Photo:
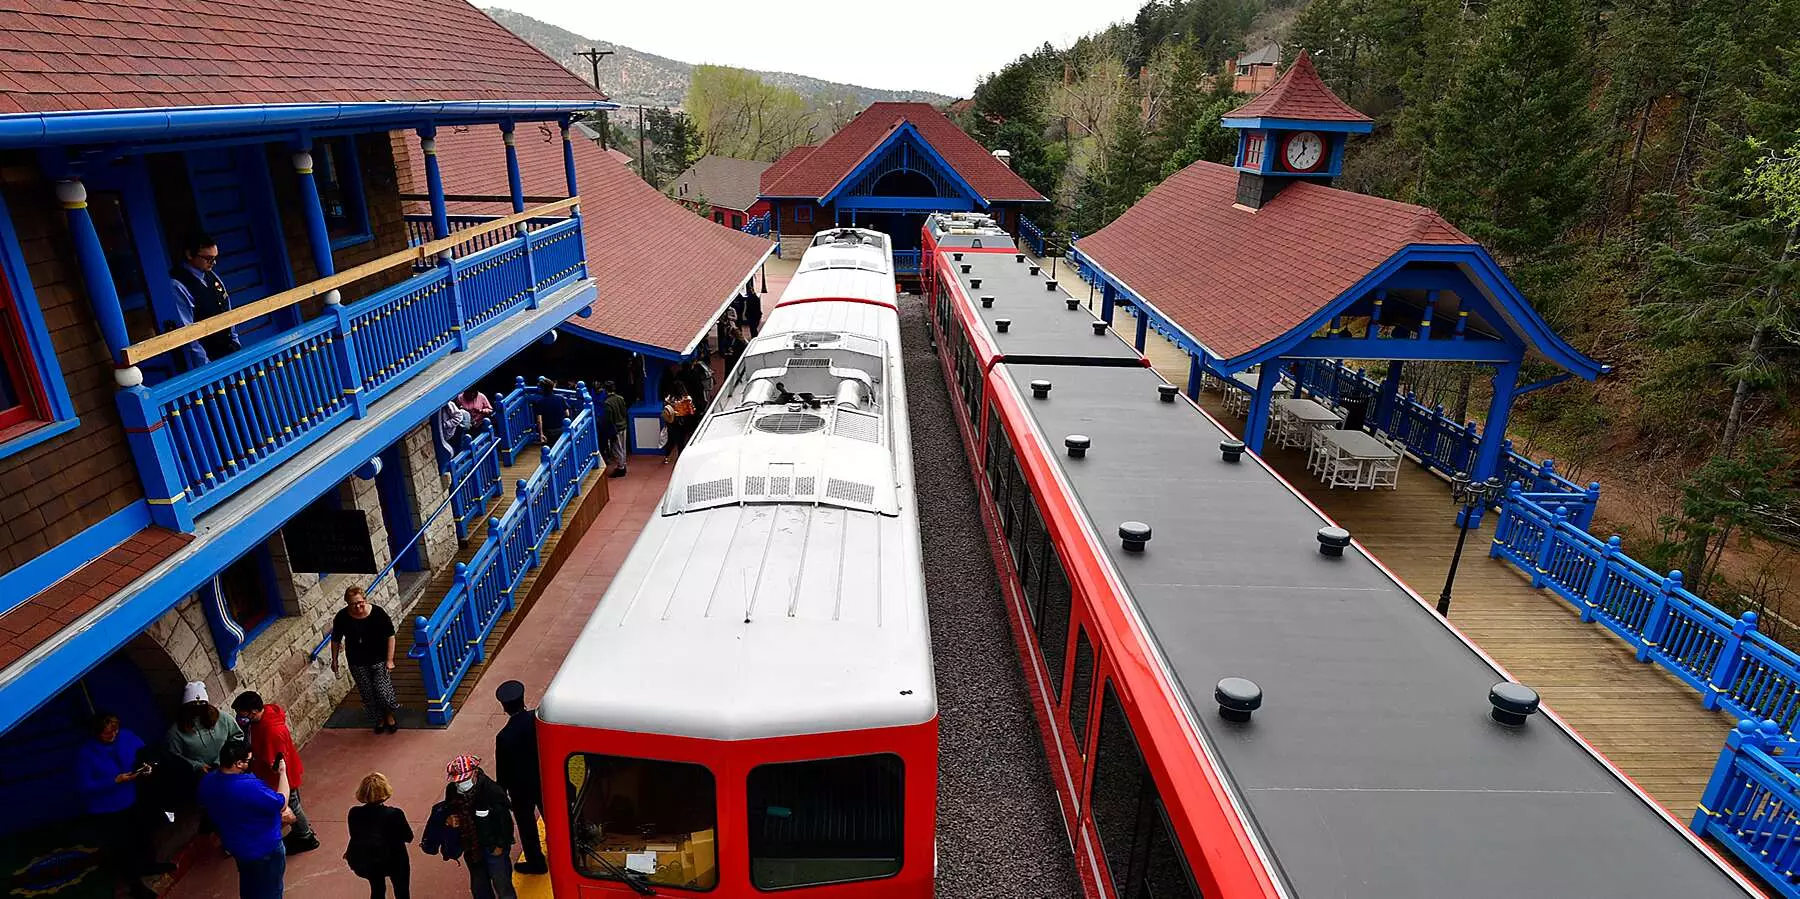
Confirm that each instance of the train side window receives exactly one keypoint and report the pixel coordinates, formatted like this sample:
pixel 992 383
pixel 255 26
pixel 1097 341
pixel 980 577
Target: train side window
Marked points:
pixel 1017 495
pixel 1143 859
pixel 826 821
pixel 1053 624
pixel 1031 560
pixel 1081 686
pixel 622 805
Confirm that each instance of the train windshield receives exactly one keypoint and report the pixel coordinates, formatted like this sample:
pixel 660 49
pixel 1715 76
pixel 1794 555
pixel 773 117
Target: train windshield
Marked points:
pixel 650 821
pixel 825 821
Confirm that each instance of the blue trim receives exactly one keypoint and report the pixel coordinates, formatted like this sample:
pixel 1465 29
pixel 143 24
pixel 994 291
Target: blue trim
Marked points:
pixel 31 325
pixel 36 683
pixel 38 435
pixel 1404 349
pixel 1281 124
pixel 642 349
pixel 108 126
pixel 906 204
pixel 1540 385
pixel 881 150
pixel 41 573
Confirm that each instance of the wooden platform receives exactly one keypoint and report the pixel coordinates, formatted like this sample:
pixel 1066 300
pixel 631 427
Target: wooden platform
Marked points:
pixel 408 683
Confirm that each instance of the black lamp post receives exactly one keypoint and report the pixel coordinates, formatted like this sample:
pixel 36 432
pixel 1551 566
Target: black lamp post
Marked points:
pixel 1472 496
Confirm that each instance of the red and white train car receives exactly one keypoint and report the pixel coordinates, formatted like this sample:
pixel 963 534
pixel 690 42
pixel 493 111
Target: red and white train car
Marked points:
pixel 751 707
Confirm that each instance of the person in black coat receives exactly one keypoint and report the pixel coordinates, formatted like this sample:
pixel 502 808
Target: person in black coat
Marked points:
pixel 516 768
pixel 378 837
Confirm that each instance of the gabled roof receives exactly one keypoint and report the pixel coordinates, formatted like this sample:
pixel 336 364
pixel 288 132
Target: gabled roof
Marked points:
pixel 1299 94
pixel 722 181
pixel 132 54
pixel 1235 279
pixel 664 274
pixel 826 166
pixel 784 165
pixel 1266 55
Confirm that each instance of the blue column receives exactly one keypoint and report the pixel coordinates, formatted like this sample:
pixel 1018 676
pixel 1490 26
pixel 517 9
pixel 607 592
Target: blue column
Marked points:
pixel 434 183
pixel 1257 427
pixel 1195 371
pixel 318 236
pixel 1108 293
pixel 569 161
pixel 514 181
pixel 97 274
pixel 1143 326
pixel 1493 432
pixel 1390 393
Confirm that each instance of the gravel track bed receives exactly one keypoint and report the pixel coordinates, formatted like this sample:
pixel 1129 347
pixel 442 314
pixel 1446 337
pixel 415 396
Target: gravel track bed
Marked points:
pixel 1000 833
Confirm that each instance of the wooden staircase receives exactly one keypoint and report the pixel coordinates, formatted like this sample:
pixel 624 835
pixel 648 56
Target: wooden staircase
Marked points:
pixel 409 685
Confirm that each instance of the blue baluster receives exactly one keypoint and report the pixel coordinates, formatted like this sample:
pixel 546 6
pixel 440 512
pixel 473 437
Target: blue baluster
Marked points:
pixel 1729 662
pixel 1593 595
pixel 1656 624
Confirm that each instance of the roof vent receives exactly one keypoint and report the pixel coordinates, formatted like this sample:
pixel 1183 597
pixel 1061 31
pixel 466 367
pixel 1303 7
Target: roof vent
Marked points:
pixel 1049 283
pixel 709 491
pixel 1099 328
pixel 966 266
pixel 1237 698
pixel 1231 450
pixel 850 491
pixel 1512 703
pixel 1078 445
pixel 1072 303
pixel 974 283
pixel 1034 269
pixel 987 301
pixel 857 426
pixel 1332 542
pixel 1003 324
pixel 1040 389
pixel 790 423
pixel 1018 257
pixel 1133 535
pixel 755 485
pixel 1166 392
pixel 817 337
pixel 956 256
pixel 809 363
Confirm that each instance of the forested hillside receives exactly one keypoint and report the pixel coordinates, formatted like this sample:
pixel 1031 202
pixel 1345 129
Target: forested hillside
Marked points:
pixel 1632 162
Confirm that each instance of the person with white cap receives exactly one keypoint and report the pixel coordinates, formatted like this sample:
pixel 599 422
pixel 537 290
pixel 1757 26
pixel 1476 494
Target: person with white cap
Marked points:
pixel 199 732
pixel 482 816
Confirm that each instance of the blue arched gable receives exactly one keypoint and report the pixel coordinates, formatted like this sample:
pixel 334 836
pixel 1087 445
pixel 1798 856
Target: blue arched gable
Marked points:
pixel 905 150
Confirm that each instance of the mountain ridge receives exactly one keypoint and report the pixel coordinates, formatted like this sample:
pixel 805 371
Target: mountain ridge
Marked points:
pixel 634 77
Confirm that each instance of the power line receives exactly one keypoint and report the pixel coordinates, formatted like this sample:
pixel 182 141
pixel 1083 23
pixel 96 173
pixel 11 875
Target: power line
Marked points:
pixel 593 55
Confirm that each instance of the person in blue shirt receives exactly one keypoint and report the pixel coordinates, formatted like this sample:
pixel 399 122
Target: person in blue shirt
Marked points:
pixel 107 770
pixel 249 816
pixel 199 294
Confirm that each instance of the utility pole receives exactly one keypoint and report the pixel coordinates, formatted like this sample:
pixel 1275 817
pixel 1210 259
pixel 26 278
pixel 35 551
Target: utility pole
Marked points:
pixel 593 55
pixel 643 161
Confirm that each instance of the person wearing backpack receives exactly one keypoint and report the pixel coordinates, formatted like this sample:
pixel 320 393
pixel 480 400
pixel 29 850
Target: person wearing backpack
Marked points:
pixel 378 837
pixel 481 814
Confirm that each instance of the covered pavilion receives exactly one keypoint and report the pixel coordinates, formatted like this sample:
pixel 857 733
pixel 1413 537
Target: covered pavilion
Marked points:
pixel 1265 264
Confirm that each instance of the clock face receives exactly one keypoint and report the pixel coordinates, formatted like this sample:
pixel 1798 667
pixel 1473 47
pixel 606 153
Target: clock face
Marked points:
pixel 1305 151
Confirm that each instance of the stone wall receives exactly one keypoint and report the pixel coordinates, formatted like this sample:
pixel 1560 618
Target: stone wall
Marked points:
pixel 275 663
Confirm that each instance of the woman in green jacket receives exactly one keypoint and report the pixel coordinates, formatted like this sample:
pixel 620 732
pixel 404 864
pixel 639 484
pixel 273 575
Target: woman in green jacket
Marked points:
pixel 199 732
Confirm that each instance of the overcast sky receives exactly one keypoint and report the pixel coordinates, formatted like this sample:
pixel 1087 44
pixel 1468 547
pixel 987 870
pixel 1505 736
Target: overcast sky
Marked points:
pixel 934 45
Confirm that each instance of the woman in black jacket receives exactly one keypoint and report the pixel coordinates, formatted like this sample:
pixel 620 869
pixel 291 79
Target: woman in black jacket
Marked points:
pixel 378 838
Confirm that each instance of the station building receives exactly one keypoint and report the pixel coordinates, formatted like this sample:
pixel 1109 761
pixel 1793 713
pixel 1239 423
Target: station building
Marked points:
pixel 187 502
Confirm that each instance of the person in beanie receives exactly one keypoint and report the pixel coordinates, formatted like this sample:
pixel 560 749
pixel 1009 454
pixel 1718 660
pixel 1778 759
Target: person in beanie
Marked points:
pixel 482 817
pixel 107 769
pixel 364 632
pixel 198 734
pixel 249 816
pixel 516 767
pixel 271 741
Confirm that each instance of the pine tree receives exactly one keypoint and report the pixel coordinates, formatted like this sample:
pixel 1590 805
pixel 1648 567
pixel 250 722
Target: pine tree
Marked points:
pixel 1130 168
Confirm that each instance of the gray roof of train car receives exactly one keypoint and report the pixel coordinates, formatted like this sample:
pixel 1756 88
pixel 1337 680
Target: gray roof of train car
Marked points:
pixel 1042 325
pixel 1372 770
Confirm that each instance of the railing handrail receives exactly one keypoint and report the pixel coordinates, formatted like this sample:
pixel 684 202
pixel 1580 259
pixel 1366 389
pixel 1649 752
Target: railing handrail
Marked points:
pixel 394 559
pixel 182 336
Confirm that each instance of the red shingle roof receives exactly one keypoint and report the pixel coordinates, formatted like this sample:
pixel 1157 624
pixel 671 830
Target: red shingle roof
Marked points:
pixel 130 54
pixel 820 170
pixel 785 164
pixel 1236 279
pixel 30 623
pixel 663 272
pixel 1299 94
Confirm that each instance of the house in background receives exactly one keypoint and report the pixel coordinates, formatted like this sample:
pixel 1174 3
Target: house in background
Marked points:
pixel 169 517
pixel 723 187
pixel 887 169
pixel 1255 71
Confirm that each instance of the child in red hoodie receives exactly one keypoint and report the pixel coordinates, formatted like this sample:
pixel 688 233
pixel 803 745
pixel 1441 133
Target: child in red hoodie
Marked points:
pixel 270 739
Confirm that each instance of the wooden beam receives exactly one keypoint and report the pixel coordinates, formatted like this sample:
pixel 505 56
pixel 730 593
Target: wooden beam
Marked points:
pixel 180 337
pixel 480 198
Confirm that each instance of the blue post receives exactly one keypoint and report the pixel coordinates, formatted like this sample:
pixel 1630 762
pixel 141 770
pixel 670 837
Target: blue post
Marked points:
pixel 95 271
pixel 1108 294
pixel 1655 622
pixel 1731 658
pixel 1390 392
pixel 514 182
pixel 1545 478
pixel 434 183
pixel 1195 373
pixel 1143 326
pixel 569 161
pixel 1374 332
pixel 158 465
pixel 1586 515
pixel 1431 298
pixel 1597 584
pixel 1747 733
pixel 1487 459
pixel 1509 508
pixel 1548 548
pixel 318 236
pixel 1257 427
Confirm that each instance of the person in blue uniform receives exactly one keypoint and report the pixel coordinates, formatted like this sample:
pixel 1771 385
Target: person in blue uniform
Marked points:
pixel 199 295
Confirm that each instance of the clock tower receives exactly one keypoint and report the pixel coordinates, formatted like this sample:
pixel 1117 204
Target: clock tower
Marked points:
pixel 1295 131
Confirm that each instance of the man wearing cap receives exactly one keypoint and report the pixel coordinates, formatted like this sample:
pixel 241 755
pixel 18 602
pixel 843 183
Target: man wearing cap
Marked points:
pixel 516 767
pixel 482 817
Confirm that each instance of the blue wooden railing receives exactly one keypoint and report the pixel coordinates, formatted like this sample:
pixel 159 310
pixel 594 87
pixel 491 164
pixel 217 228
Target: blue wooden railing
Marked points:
pixel 475 474
pixel 203 435
pixel 758 225
pixel 1034 237
pixel 453 638
pixel 1752 803
pixel 906 262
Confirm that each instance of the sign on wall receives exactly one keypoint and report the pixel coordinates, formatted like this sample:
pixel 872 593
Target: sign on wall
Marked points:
pixel 330 540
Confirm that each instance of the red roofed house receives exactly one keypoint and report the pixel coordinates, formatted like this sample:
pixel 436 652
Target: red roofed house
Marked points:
pixel 887 169
pixel 187 488
pixel 1266 264
pixel 648 313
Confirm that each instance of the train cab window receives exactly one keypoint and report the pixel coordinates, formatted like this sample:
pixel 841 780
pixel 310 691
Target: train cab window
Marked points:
pixel 1053 620
pixel 1143 859
pixel 1081 685
pixel 826 821
pixel 657 818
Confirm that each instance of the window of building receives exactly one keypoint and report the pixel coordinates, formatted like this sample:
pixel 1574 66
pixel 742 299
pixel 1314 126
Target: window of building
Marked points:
pixel 622 809
pixel 1253 150
pixel 1143 859
pixel 802 213
pixel 737 221
pixel 826 821
pixel 1081 686
pixel 718 217
pixel 21 406
pixel 338 174
pixel 34 402
pixel 248 589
